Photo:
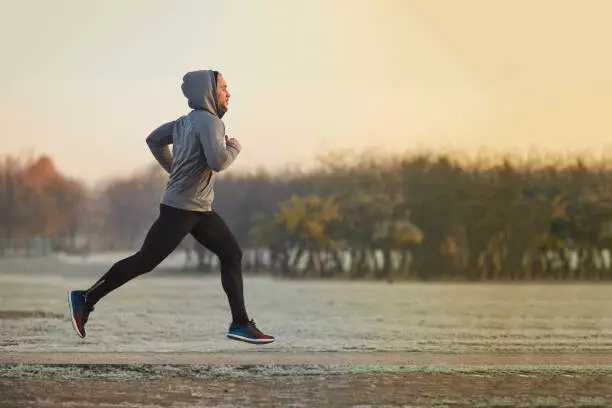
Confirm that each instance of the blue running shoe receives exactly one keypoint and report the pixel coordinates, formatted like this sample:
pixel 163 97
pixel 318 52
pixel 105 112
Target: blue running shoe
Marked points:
pixel 79 310
pixel 248 333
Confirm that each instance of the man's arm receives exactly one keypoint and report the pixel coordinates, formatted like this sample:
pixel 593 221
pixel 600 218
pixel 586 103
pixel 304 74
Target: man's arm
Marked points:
pixel 158 141
pixel 219 154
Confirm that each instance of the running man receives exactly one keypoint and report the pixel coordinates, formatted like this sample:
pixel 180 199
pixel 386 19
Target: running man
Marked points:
pixel 200 148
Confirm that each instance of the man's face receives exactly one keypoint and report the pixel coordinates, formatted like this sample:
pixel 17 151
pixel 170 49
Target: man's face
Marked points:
pixel 223 94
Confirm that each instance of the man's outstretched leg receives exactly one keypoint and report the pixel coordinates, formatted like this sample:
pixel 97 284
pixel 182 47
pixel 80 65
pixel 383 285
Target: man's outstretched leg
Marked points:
pixel 214 234
pixel 163 237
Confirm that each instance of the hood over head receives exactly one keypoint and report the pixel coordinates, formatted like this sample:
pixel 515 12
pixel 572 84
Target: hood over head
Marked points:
pixel 200 89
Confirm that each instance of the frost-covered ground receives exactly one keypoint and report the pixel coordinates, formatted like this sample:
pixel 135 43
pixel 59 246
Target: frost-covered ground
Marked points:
pixel 339 343
pixel 176 311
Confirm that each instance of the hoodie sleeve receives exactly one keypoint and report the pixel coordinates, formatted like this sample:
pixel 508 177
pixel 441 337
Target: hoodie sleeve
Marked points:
pixel 158 142
pixel 219 155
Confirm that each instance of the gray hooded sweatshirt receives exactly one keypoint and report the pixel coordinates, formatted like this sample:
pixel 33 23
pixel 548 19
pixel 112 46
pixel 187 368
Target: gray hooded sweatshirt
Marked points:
pixel 198 146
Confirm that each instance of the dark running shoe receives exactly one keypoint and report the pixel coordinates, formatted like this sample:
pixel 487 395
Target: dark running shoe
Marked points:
pixel 248 333
pixel 79 310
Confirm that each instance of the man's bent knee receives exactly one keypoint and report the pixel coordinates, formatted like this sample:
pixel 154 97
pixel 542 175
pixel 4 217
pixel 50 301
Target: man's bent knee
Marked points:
pixel 146 263
pixel 233 257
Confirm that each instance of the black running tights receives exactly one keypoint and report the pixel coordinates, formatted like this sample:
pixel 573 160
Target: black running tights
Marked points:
pixel 166 233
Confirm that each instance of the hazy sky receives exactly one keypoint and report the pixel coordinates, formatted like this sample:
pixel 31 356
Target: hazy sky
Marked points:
pixel 87 81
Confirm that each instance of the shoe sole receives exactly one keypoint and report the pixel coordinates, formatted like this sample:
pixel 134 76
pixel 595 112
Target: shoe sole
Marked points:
pixel 74 324
pixel 248 340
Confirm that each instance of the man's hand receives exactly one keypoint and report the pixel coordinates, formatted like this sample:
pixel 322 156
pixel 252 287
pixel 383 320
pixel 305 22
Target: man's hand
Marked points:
pixel 233 141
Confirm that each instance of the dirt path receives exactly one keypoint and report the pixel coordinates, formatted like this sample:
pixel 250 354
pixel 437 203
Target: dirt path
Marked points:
pixel 276 357
pixel 349 390
pixel 280 379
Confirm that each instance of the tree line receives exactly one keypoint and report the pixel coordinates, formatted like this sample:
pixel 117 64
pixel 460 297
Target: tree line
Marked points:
pixel 421 217
pixel 43 210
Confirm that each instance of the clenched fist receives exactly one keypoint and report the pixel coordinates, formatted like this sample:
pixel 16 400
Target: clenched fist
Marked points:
pixel 233 142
